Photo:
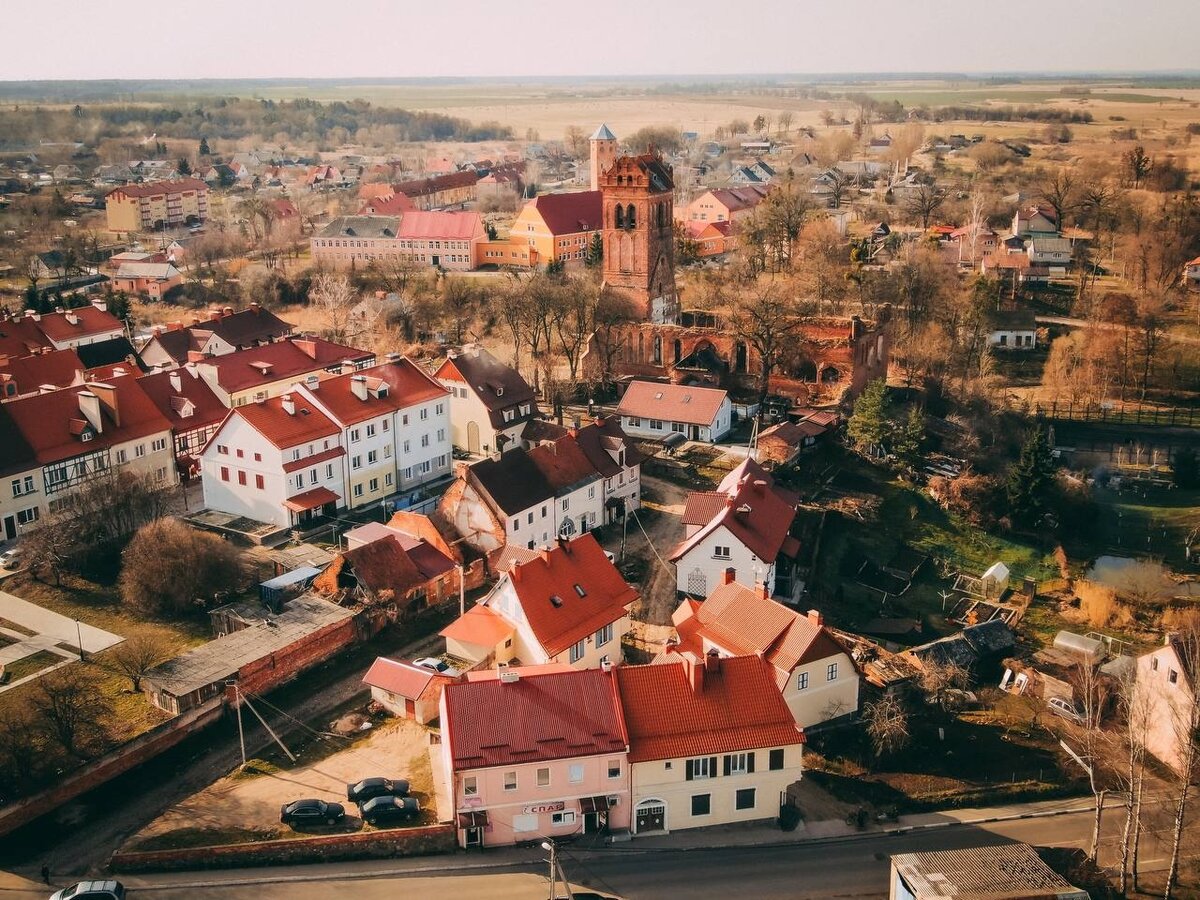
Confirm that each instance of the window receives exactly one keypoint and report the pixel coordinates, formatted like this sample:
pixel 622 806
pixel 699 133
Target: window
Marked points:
pixel 1154 664
pixel 509 415
pixel 27 516
pixel 567 817
pixel 604 635
pixel 242 477
pixel 441 407
pixel 744 799
pixel 386 425
pixel 543 776
pixel 356 462
pixel 614 768
pixel 802 681
pixel 139 451
pixel 161 444
pixel 775 760
pixel 374 485
pixel 372 457
pixel 656 425
pixel 295 454
pixel 701 767
pixel 371 430
pixel 258 457
pixel 831 672
pixel 577 651
pixel 424 440
pixel 329 470
pixel 739 763
pixel 592 492
pixel 470 786
pixel 222 449
pixel 20 488
pixel 701 804
pixel 258 482
pixel 122 457
pixel 358 490
pixel 424 414
pixel 387 451
pixel 1172 676
pixel 387 479
pixel 441 434
pixel 720 552
pixel 312 476
pixel 510 781
pixel 224 473
pixel 354 436
pixel 407 446
pixel 575 773
pixel 566 503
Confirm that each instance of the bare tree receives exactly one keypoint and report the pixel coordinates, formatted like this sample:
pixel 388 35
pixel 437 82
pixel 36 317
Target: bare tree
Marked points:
pixel 72 707
pixel 1135 714
pixel 1060 190
pixel 784 120
pixel 765 319
pixel 923 201
pixel 887 724
pixel 137 655
pixel 1096 747
pixel 171 568
pixel 19 751
pixel 939 678
pixel 334 296
pixel 839 185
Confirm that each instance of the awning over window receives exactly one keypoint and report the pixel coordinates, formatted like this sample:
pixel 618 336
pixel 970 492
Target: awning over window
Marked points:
pixel 311 499
pixel 476 819
pixel 593 804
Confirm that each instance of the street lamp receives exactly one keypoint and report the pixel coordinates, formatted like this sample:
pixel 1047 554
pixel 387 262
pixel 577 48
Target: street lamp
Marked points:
pixel 79 640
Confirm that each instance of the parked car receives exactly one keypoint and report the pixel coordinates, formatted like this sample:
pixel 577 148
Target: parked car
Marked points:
pixel 370 788
pixel 311 812
pixel 10 559
pixel 91 890
pixel 382 810
pixel 1066 709
pixel 431 662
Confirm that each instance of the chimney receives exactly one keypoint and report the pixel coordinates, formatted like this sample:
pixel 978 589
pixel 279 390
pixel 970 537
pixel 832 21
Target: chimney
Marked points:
pixel 312 382
pixel 694 669
pixel 254 307
pixel 307 346
pixel 228 311
pixel 33 314
pixel 392 357
pixel 358 386
pixel 729 575
pixel 71 318
pixel 195 356
pixel 712 662
pixel 606 665
pixel 814 616
pixel 108 398
pixel 509 677
pixel 100 303
pixel 156 331
pixel 289 406
pixel 544 553
pixel 175 326
pixel 763 590
pixel 347 365
pixel 89 405
pixel 196 320
pixel 214 315
pixel 176 381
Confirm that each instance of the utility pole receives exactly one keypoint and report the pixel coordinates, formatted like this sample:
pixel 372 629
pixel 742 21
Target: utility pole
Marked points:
pixel 237 705
pixel 624 524
pixel 556 872
pixel 462 591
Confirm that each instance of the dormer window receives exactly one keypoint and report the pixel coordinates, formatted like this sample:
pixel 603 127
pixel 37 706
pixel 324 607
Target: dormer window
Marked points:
pixel 580 591
pixel 86 435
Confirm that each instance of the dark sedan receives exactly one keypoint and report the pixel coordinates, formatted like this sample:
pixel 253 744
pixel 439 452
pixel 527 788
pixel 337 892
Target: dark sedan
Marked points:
pixel 369 788
pixel 390 810
pixel 311 812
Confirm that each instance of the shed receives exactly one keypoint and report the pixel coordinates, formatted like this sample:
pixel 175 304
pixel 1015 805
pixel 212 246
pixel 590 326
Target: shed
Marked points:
pixel 278 590
pixel 404 689
pixel 1090 649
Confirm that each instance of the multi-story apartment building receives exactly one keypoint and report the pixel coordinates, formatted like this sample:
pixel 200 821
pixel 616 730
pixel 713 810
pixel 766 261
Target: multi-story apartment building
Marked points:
pixel 153 204
pixel 395 422
pixel 192 408
pixel 329 444
pixel 221 332
pixel 554 228
pixel 270 370
pixel 32 332
pixel 56 442
pixel 490 402
pixel 440 240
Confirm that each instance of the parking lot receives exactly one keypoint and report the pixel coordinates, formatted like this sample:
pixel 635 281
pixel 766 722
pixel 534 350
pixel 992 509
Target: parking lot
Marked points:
pixel 246 806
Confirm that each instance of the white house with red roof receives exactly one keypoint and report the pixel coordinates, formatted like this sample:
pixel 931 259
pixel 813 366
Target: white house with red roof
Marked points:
pixel 567 604
pixel 528 756
pixel 490 402
pixel 191 406
pixel 269 370
pixel 1165 695
pixel 395 422
pixel 711 742
pixel 403 689
pixel 649 409
pixel 742 529
pixel 814 673
pixel 24 334
pixel 52 444
pixel 279 461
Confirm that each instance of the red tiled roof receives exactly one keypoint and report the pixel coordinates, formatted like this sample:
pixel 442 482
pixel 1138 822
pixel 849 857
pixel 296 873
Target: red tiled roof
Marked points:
pixel 316 459
pixel 570 213
pixel 671 402
pixel 743 622
pixel 311 499
pixel 156 188
pixel 21 337
pixel 756 512
pixel 281 428
pixel 283 208
pixel 52 423
pixel 387 205
pixel 289 358
pixel 737 707
pixel 557 573
pixel 206 406
pixel 56 367
pixel 479 626
pixel 739 198
pixel 88 321
pixel 701 506
pixel 421 187
pixel 407 385
pixel 400 678
pixel 455 226
pixel 556 715
pixel 368 191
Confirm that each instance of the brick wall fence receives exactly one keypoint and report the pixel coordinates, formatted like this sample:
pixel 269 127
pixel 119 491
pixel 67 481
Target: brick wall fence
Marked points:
pixel 109 766
pixel 424 841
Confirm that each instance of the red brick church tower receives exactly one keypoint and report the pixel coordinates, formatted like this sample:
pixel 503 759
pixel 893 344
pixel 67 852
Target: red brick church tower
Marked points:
pixel 639 239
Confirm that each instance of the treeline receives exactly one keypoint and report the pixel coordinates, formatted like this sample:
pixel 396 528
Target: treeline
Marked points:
pixel 1005 114
pixel 303 122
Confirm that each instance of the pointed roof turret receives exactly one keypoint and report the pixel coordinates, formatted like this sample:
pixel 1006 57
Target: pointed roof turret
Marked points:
pixel 603 134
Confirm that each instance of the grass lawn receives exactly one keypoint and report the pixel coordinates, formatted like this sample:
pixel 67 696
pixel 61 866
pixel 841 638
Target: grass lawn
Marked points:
pixel 29 665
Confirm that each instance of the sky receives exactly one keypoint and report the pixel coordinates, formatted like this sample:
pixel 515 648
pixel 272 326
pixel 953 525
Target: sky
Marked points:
pixel 84 39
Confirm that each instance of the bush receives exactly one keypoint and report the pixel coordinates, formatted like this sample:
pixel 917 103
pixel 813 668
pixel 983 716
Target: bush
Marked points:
pixel 170 568
pixel 1186 468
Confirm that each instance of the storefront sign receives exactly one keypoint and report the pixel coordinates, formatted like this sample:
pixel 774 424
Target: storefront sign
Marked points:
pixel 557 806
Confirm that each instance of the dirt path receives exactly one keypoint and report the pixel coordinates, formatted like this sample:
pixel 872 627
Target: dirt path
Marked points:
pixel 664 530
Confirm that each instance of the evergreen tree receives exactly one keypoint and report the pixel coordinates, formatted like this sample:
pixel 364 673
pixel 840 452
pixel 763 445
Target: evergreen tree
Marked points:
pixel 868 425
pixel 185 167
pixel 491 231
pixel 1030 481
pixel 908 436
pixel 595 253
pixel 204 151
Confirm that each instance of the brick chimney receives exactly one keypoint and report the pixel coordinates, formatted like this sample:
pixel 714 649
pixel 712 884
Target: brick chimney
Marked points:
pixel 729 575
pixel 195 356
pixel 544 553
pixel 358 386
pixel 214 315
pixel 694 669
pixel 814 616
pixel 288 404
pixel 712 662
pixel 254 307
pixel 763 590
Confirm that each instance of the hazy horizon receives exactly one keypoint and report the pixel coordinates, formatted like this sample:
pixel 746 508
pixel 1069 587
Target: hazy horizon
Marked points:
pixel 696 39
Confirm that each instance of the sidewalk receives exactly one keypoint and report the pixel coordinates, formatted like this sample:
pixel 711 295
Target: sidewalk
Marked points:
pixel 719 837
pixel 38 619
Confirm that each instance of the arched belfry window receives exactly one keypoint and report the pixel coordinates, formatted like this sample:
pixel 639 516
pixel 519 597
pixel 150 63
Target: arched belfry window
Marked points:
pixel 620 221
pixel 631 216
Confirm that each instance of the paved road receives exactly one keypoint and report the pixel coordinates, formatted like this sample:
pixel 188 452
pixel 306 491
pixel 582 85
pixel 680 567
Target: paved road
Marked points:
pixel 849 868
pixel 1109 326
